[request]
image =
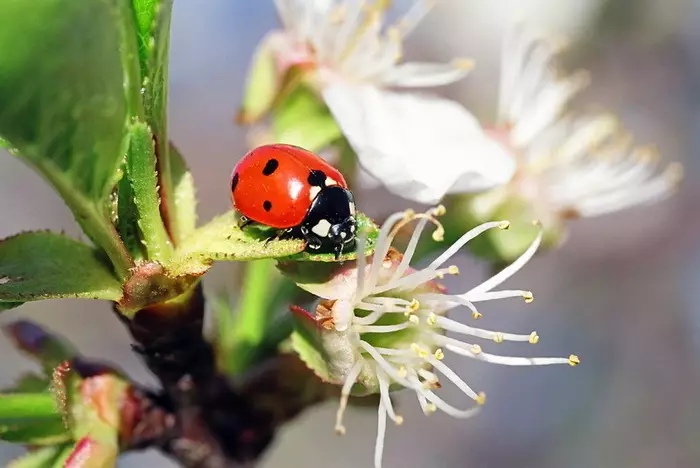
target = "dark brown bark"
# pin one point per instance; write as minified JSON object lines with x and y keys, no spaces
{"x":201,"y":418}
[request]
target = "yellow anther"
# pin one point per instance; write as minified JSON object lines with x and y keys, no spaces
{"x":463,"y":63}
{"x":403,"y":372}
{"x":504,"y":225}
{"x":476,"y":349}
{"x":414,"y":305}
{"x":574,"y":360}
{"x":534,"y":338}
{"x":453,"y":270}
{"x":498,"y":337}
{"x":439,"y":275}
{"x":430,"y":408}
{"x":439,"y":210}
{"x":480,"y":399}
{"x":528,"y":297}
{"x":476,"y":315}
{"x":439,"y":234}
{"x":399,"y":420}
{"x":413,"y":319}
{"x":432,"y":319}
{"x":387,"y":264}
{"x":536,"y":223}
{"x":340,"y":430}
{"x":422,"y":353}
{"x":439,"y":354}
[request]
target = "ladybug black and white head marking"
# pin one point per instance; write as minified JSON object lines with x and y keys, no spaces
{"x":330,"y":222}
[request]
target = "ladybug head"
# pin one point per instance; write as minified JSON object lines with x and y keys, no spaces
{"x":329,"y":224}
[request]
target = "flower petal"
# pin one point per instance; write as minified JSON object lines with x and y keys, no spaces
{"x":418,"y":74}
{"x":418,"y":146}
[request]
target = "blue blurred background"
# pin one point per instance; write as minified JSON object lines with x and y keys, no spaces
{"x":621,"y":293}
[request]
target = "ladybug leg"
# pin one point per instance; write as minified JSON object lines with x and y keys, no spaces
{"x":273,"y":237}
{"x":283,"y":234}
{"x":338,"y":250}
{"x":313,"y":243}
{"x":244,"y":221}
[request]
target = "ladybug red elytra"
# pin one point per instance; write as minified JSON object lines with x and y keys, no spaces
{"x":298,"y":193}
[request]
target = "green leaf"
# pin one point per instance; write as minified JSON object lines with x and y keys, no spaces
{"x":255,"y":294}
{"x":364,"y":224}
{"x":4,"y":143}
{"x":127,"y":222}
{"x":183,"y":220}
{"x":9,"y":305}
{"x":253,"y":316}
{"x":41,"y":457}
{"x":222,"y":239}
{"x":145,"y":13}
{"x":153,"y":25}
{"x":46,"y":265}
{"x":141,"y":171}
{"x":64,"y":104}
{"x":262,"y":85}
{"x":224,"y":337}
{"x":35,"y":432}
{"x":19,"y":406}
{"x":306,"y":342}
{"x":303,"y":119}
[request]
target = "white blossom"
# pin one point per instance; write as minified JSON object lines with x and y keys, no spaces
{"x":387,"y":323}
{"x":569,"y":164}
{"x":418,"y":145}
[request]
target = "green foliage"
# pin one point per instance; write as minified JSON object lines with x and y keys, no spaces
{"x":222,"y":239}
{"x":183,"y":214}
{"x":15,"y":406}
{"x":46,"y":265}
{"x":303,"y":119}
{"x":262,"y":86}
{"x":127,"y":220}
{"x":153,"y":39}
{"x":45,"y":431}
{"x":141,"y":171}
{"x":64,"y":104}
{"x":306,"y":342}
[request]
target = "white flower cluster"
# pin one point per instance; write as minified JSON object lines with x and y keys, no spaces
{"x":421,"y":146}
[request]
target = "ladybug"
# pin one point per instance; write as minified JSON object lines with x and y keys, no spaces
{"x":298,"y":193}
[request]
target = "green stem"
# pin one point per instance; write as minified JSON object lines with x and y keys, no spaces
{"x":27,"y":405}
{"x":253,"y":311}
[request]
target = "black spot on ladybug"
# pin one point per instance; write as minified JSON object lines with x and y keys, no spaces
{"x":270,"y":167}
{"x":234,"y":181}
{"x":267,"y":205}
{"x":317,"y":178}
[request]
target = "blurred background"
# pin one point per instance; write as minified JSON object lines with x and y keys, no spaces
{"x":620,"y":293}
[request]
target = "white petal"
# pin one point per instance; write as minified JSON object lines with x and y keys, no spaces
{"x":417,"y":74}
{"x":418,"y":146}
